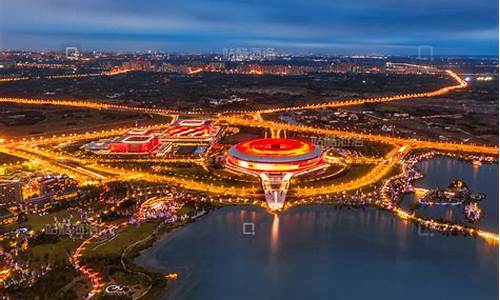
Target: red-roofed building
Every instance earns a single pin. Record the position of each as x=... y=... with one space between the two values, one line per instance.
x=191 y=130
x=134 y=144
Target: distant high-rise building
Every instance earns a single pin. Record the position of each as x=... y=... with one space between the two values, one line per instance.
x=405 y=68
x=72 y=53
x=246 y=54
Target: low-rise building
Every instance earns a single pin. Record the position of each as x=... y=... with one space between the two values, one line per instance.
x=11 y=193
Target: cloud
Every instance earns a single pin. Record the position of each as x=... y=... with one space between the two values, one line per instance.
x=210 y=24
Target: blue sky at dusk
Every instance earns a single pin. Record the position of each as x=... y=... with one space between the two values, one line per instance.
x=307 y=26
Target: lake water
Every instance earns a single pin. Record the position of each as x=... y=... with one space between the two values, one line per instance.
x=440 y=171
x=319 y=252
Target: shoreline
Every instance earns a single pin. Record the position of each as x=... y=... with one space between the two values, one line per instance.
x=187 y=277
x=166 y=233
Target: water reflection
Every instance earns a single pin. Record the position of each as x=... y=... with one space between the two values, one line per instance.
x=323 y=252
x=275 y=234
x=300 y=253
x=475 y=171
x=482 y=179
x=449 y=214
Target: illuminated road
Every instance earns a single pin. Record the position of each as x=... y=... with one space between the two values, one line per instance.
x=390 y=204
x=90 y=105
x=444 y=146
x=85 y=170
x=374 y=175
x=90 y=170
x=95 y=105
x=353 y=102
x=105 y=73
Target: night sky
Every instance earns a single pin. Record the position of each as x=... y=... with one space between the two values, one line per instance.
x=451 y=27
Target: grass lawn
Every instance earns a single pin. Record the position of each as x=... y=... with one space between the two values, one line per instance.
x=55 y=252
x=37 y=222
x=352 y=172
x=219 y=177
x=125 y=238
x=10 y=159
x=105 y=258
x=51 y=287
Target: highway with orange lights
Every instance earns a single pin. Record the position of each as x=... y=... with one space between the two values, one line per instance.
x=91 y=170
x=83 y=75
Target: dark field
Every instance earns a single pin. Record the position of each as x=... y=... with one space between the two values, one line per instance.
x=195 y=91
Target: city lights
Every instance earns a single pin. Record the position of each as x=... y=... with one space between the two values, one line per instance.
x=171 y=172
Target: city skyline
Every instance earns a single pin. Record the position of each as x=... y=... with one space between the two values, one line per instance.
x=380 y=27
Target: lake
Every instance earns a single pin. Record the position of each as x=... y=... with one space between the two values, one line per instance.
x=322 y=252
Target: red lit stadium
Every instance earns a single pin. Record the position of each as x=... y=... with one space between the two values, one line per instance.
x=275 y=156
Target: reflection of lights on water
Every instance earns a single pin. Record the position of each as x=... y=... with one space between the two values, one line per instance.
x=449 y=214
x=484 y=78
x=449 y=165
x=275 y=233
x=475 y=170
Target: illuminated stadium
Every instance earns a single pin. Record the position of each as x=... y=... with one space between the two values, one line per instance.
x=275 y=156
x=275 y=161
